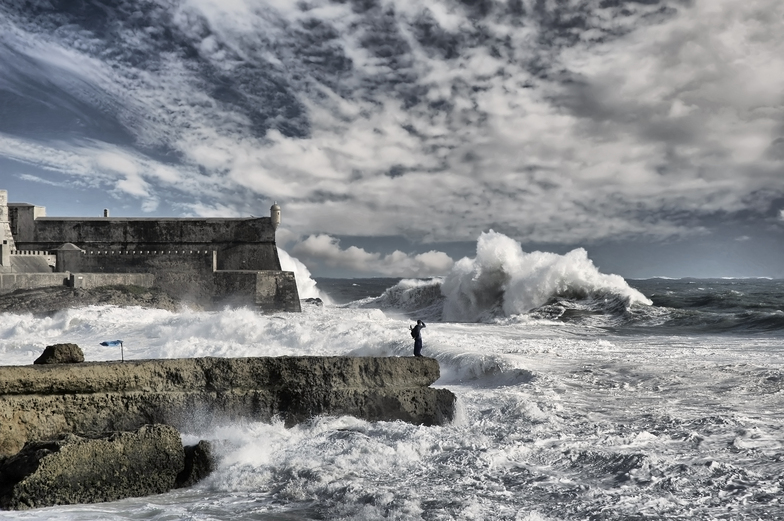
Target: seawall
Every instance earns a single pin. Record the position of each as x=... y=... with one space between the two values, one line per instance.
x=42 y=401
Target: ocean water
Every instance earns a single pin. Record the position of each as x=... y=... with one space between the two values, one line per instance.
x=581 y=396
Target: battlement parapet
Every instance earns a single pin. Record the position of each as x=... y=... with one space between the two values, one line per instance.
x=31 y=252
x=147 y=252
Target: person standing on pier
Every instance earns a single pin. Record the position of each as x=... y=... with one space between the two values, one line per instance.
x=416 y=333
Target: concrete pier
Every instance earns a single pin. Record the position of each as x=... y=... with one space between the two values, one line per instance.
x=42 y=401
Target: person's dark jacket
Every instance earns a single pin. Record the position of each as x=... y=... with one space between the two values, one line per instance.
x=417 y=331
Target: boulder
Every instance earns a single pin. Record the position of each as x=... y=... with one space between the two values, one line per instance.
x=92 y=468
x=61 y=354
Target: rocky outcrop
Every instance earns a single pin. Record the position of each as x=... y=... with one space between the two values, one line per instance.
x=61 y=354
x=101 y=467
x=48 y=301
x=41 y=402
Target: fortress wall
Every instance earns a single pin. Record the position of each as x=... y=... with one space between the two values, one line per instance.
x=277 y=290
x=22 y=219
x=182 y=274
x=234 y=287
x=10 y=282
x=103 y=233
x=135 y=261
x=243 y=244
x=94 y=280
x=249 y=257
x=29 y=264
x=268 y=291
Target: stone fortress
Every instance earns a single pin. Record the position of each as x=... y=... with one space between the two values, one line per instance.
x=211 y=262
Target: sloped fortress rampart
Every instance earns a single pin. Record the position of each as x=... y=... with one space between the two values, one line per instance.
x=211 y=261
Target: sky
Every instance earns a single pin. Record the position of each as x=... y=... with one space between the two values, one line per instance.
x=393 y=133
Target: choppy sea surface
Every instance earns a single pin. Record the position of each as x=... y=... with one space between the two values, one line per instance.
x=581 y=396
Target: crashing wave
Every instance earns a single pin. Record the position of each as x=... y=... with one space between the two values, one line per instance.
x=306 y=286
x=503 y=281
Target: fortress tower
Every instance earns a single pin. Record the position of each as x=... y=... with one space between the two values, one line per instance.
x=6 y=237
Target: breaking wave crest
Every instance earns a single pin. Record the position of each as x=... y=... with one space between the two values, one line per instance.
x=420 y=298
x=503 y=281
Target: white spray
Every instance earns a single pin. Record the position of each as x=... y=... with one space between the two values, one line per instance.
x=306 y=286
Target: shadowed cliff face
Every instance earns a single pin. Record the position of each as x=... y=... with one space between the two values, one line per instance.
x=38 y=402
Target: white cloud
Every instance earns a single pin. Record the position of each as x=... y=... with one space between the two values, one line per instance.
x=326 y=250
x=36 y=179
x=543 y=134
x=121 y=171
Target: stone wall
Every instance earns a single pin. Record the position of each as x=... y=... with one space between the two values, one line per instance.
x=25 y=262
x=266 y=290
x=182 y=274
x=22 y=218
x=10 y=282
x=95 y=280
x=276 y=290
x=41 y=401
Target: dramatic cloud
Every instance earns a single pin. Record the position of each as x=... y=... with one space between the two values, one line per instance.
x=326 y=250
x=561 y=122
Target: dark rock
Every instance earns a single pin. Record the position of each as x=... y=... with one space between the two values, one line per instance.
x=92 y=468
x=61 y=354
x=314 y=301
x=199 y=463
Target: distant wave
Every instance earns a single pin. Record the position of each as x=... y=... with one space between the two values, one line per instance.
x=668 y=320
x=502 y=281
